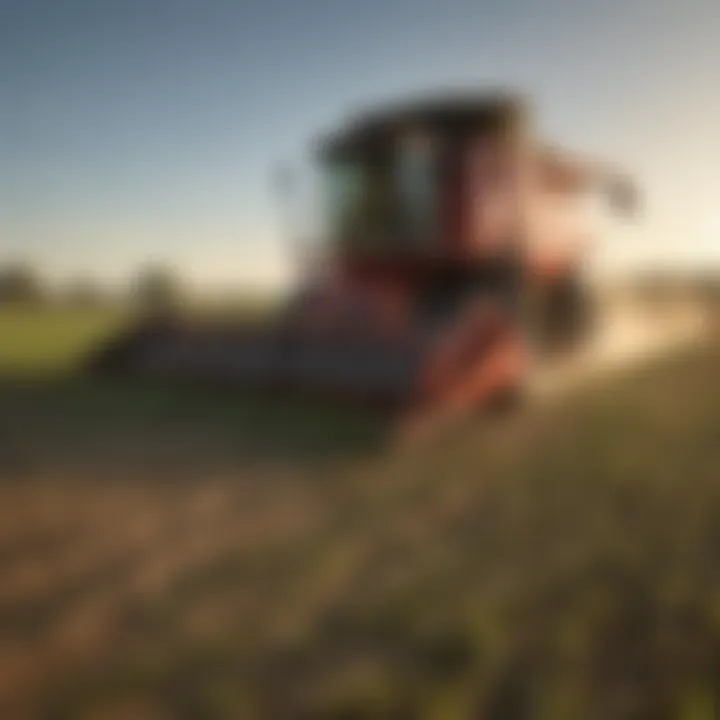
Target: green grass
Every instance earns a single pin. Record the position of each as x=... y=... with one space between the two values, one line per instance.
x=51 y=340
x=170 y=552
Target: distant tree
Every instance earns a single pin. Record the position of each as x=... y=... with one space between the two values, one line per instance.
x=157 y=287
x=19 y=282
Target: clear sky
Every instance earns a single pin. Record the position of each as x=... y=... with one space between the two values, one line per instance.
x=147 y=129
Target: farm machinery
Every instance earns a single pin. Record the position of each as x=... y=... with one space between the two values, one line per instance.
x=454 y=261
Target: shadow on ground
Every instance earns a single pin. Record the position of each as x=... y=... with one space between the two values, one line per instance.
x=79 y=425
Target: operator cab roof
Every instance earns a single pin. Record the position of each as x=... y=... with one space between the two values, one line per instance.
x=452 y=115
x=444 y=114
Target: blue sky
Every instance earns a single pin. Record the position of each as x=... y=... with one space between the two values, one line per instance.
x=134 y=130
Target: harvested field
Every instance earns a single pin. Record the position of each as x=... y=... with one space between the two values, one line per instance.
x=170 y=552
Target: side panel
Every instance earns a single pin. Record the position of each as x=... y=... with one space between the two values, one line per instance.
x=561 y=227
x=494 y=195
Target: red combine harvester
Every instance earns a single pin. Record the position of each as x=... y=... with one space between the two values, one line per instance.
x=454 y=259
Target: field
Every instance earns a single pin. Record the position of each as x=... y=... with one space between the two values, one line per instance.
x=185 y=552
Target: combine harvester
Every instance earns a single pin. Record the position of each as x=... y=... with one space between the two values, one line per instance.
x=453 y=276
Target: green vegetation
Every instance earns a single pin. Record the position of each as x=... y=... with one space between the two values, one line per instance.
x=171 y=552
x=50 y=339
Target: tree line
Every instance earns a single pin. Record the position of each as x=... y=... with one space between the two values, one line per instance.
x=151 y=285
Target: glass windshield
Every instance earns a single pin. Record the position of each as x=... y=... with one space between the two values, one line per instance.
x=384 y=202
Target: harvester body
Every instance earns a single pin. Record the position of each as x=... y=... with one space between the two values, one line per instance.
x=450 y=227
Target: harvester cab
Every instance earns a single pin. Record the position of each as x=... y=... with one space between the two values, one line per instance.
x=437 y=206
x=455 y=246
